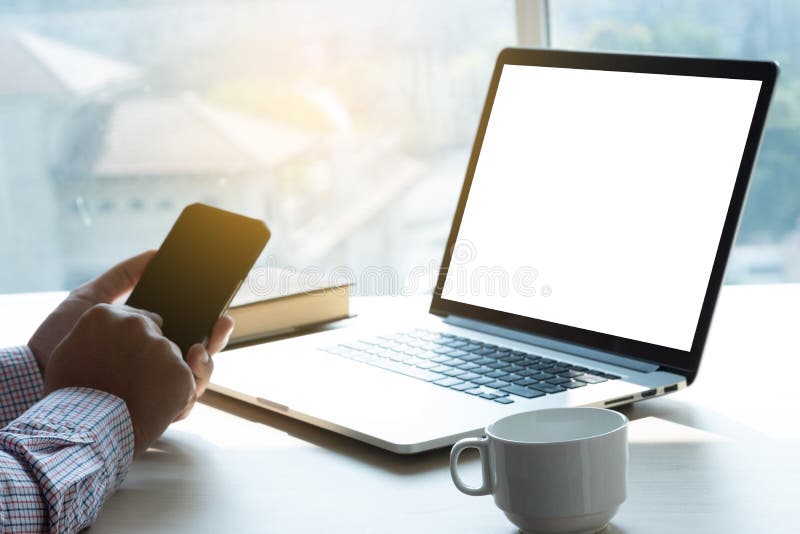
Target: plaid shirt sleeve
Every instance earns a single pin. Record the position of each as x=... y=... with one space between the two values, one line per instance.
x=61 y=458
x=20 y=382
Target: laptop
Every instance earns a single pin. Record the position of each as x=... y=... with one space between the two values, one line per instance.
x=585 y=257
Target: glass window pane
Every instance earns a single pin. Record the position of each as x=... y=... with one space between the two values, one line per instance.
x=345 y=125
x=768 y=244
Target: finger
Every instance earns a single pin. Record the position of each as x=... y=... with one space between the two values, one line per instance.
x=186 y=411
x=153 y=316
x=142 y=330
x=201 y=365
x=194 y=392
x=153 y=320
x=220 y=334
x=118 y=280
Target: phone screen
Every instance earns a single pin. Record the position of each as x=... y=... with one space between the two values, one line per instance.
x=197 y=270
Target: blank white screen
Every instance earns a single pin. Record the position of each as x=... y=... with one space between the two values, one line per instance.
x=614 y=187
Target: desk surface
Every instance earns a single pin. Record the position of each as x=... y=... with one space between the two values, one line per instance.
x=721 y=456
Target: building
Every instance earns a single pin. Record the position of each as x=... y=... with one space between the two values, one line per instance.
x=40 y=79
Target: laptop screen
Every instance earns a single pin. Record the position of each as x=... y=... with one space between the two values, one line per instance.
x=598 y=199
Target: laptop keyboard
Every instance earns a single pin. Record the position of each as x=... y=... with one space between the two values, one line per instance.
x=491 y=372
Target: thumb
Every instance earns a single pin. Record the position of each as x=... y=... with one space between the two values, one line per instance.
x=118 y=280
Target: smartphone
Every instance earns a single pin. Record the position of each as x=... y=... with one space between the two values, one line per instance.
x=197 y=270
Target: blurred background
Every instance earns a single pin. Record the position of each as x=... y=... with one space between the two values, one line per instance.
x=345 y=125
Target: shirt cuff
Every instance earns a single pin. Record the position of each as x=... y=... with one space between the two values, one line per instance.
x=21 y=382
x=75 y=416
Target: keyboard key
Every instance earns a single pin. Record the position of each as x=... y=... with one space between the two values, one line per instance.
x=570 y=374
x=442 y=350
x=526 y=382
x=483 y=380
x=485 y=361
x=471 y=347
x=497 y=384
x=482 y=370
x=425 y=364
x=558 y=380
x=460 y=354
x=487 y=396
x=440 y=358
x=357 y=345
x=510 y=358
x=467 y=366
x=464 y=386
x=513 y=368
x=523 y=391
x=455 y=344
x=469 y=357
x=448 y=382
x=495 y=364
x=440 y=368
x=542 y=376
x=496 y=374
x=414 y=372
x=547 y=388
x=573 y=384
x=468 y=376
x=482 y=389
x=503 y=400
x=483 y=351
x=510 y=377
x=591 y=379
x=453 y=372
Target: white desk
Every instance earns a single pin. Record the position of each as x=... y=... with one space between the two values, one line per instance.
x=722 y=456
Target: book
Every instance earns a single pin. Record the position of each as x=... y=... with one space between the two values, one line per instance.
x=273 y=302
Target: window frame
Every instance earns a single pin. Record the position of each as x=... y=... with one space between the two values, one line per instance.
x=533 y=23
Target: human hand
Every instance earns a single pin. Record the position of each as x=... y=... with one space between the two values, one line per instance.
x=120 y=350
x=107 y=288
x=110 y=287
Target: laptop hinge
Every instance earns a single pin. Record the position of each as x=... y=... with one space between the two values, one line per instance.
x=533 y=339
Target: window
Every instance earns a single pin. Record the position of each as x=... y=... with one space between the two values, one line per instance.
x=345 y=125
x=768 y=245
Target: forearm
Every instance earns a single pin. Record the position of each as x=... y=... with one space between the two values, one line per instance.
x=62 y=459
x=20 y=382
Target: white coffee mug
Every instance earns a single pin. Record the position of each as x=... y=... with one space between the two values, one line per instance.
x=556 y=470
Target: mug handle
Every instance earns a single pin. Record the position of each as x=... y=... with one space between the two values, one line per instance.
x=482 y=444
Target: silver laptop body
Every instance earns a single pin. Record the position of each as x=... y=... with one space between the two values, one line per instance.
x=590 y=240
